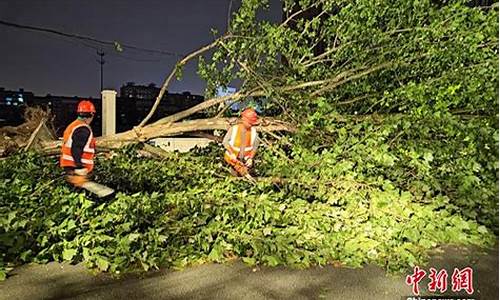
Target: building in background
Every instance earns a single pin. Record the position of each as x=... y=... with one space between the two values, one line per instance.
x=135 y=102
x=131 y=90
x=129 y=110
x=11 y=103
x=64 y=110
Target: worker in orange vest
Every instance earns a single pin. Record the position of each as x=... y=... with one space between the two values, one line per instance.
x=241 y=142
x=78 y=148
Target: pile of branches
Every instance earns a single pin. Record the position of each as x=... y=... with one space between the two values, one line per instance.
x=36 y=128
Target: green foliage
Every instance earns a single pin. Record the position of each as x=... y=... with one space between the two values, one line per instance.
x=426 y=156
x=396 y=152
x=185 y=210
x=415 y=57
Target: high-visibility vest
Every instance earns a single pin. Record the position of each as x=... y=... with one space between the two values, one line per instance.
x=235 y=142
x=88 y=151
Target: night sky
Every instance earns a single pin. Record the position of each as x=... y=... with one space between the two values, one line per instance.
x=49 y=64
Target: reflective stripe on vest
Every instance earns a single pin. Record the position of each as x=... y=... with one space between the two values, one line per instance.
x=235 y=140
x=87 y=147
x=83 y=160
x=87 y=158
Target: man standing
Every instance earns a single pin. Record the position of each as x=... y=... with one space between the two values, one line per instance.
x=78 y=148
x=241 y=143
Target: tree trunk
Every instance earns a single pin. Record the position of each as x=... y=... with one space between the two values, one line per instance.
x=162 y=130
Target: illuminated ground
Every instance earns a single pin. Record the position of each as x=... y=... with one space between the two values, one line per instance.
x=237 y=281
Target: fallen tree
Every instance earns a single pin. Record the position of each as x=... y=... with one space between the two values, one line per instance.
x=142 y=134
x=344 y=58
x=382 y=167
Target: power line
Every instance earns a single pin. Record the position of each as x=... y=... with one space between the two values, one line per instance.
x=72 y=41
x=121 y=56
x=96 y=48
x=118 y=46
x=115 y=53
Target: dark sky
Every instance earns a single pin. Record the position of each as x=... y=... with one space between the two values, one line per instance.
x=45 y=63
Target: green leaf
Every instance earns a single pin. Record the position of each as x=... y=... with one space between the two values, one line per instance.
x=271 y=260
x=68 y=254
x=102 y=264
x=482 y=229
x=133 y=236
x=249 y=260
x=3 y=275
x=86 y=253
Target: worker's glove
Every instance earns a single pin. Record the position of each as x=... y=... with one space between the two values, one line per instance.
x=233 y=157
x=249 y=162
x=81 y=172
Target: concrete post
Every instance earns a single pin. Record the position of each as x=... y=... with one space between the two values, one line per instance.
x=108 y=112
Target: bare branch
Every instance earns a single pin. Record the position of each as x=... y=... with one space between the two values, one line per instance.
x=172 y=74
x=314 y=3
x=259 y=92
x=202 y=106
x=356 y=99
x=336 y=83
x=221 y=112
x=34 y=135
x=229 y=15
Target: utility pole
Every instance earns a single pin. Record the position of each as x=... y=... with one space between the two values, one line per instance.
x=101 y=61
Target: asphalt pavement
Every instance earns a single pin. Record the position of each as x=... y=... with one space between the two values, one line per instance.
x=235 y=280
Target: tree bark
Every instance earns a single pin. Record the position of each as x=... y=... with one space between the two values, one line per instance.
x=172 y=129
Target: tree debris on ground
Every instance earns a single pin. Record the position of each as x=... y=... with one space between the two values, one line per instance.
x=35 y=130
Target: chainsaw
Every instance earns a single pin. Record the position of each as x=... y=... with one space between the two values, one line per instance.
x=95 y=188
x=242 y=169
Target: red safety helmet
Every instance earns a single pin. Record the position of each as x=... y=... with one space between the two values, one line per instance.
x=249 y=115
x=85 y=106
